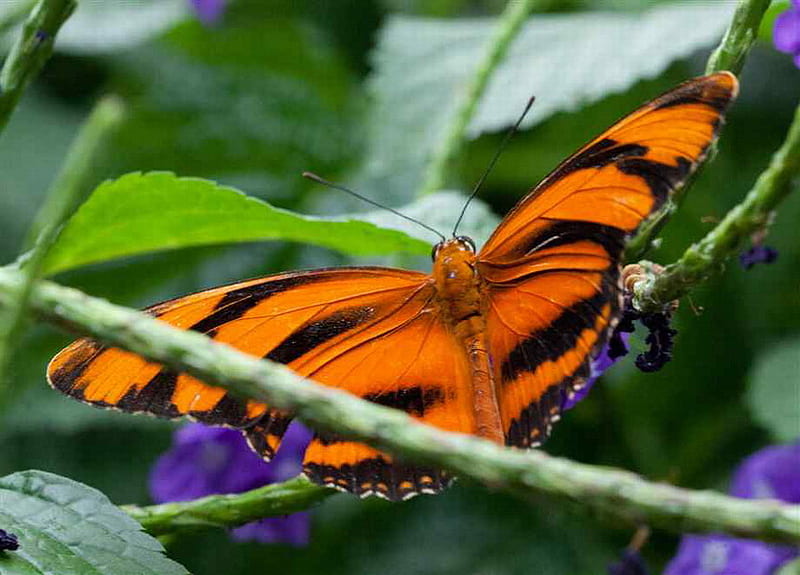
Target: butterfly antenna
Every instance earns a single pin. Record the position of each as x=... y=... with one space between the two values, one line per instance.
x=496 y=157
x=315 y=178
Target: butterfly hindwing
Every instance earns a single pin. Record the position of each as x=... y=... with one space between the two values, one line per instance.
x=415 y=365
x=552 y=265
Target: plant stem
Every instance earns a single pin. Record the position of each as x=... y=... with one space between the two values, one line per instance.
x=66 y=194
x=729 y=55
x=30 y=52
x=618 y=493
x=509 y=23
x=277 y=499
x=739 y=38
x=754 y=214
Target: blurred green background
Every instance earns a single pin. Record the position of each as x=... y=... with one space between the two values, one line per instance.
x=355 y=90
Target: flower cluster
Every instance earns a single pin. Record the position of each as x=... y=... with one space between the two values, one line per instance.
x=207 y=460
x=786 y=33
x=773 y=472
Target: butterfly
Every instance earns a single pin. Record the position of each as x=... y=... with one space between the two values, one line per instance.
x=489 y=344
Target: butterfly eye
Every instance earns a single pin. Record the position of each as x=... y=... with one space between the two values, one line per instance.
x=467 y=240
x=435 y=251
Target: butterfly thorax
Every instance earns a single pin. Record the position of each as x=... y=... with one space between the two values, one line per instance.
x=459 y=289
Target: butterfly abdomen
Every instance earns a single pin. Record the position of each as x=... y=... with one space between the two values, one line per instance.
x=460 y=299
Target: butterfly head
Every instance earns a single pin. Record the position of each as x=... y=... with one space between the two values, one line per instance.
x=457 y=245
x=454 y=260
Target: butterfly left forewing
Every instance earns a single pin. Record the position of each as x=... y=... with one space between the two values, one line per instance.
x=374 y=332
x=552 y=266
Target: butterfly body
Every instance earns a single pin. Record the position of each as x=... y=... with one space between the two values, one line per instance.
x=491 y=343
x=462 y=304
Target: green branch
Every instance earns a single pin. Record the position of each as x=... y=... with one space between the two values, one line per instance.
x=509 y=23
x=729 y=55
x=618 y=493
x=30 y=52
x=68 y=192
x=754 y=214
x=739 y=38
x=230 y=510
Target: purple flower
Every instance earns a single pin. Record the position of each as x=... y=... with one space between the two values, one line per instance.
x=8 y=541
x=759 y=254
x=206 y=460
x=786 y=34
x=208 y=12
x=602 y=362
x=773 y=472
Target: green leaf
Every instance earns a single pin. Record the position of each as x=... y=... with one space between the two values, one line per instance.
x=567 y=61
x=116 y=25
x=141 y=213
x=791 y=568
x=254 y=103
x=67 y=528
x=775 y=389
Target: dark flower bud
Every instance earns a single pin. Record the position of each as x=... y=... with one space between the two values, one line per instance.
x=616 y=345
x=8 y=541
x=758 y=254
x=631 y=563
x=660 y=339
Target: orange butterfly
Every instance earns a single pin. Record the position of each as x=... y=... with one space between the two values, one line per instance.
x=489 y=344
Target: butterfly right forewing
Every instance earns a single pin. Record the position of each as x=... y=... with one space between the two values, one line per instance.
x=552 y=266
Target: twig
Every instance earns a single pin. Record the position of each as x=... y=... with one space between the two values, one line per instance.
x=31 y=50
x=509 y=23
x=620 y=494
x=729 y=55
x=739 y=38
x=67 y=193
x=754 y=214
x=230 y=510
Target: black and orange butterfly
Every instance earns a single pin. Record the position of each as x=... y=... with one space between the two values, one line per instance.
x=489 y=344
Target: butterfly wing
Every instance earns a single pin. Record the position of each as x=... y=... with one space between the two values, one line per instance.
x=373 y=332
x=552 y=266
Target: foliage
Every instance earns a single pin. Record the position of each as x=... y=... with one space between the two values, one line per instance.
x=141 y=213
x=66 y=527
x=277 y=88
x=774 y=385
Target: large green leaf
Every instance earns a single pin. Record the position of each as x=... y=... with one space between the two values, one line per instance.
x=115 y=25
x=423 y=66
x=110 y=26
x=774 y=394
x=141 y=213
x=253 y=102
x=67 y=528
